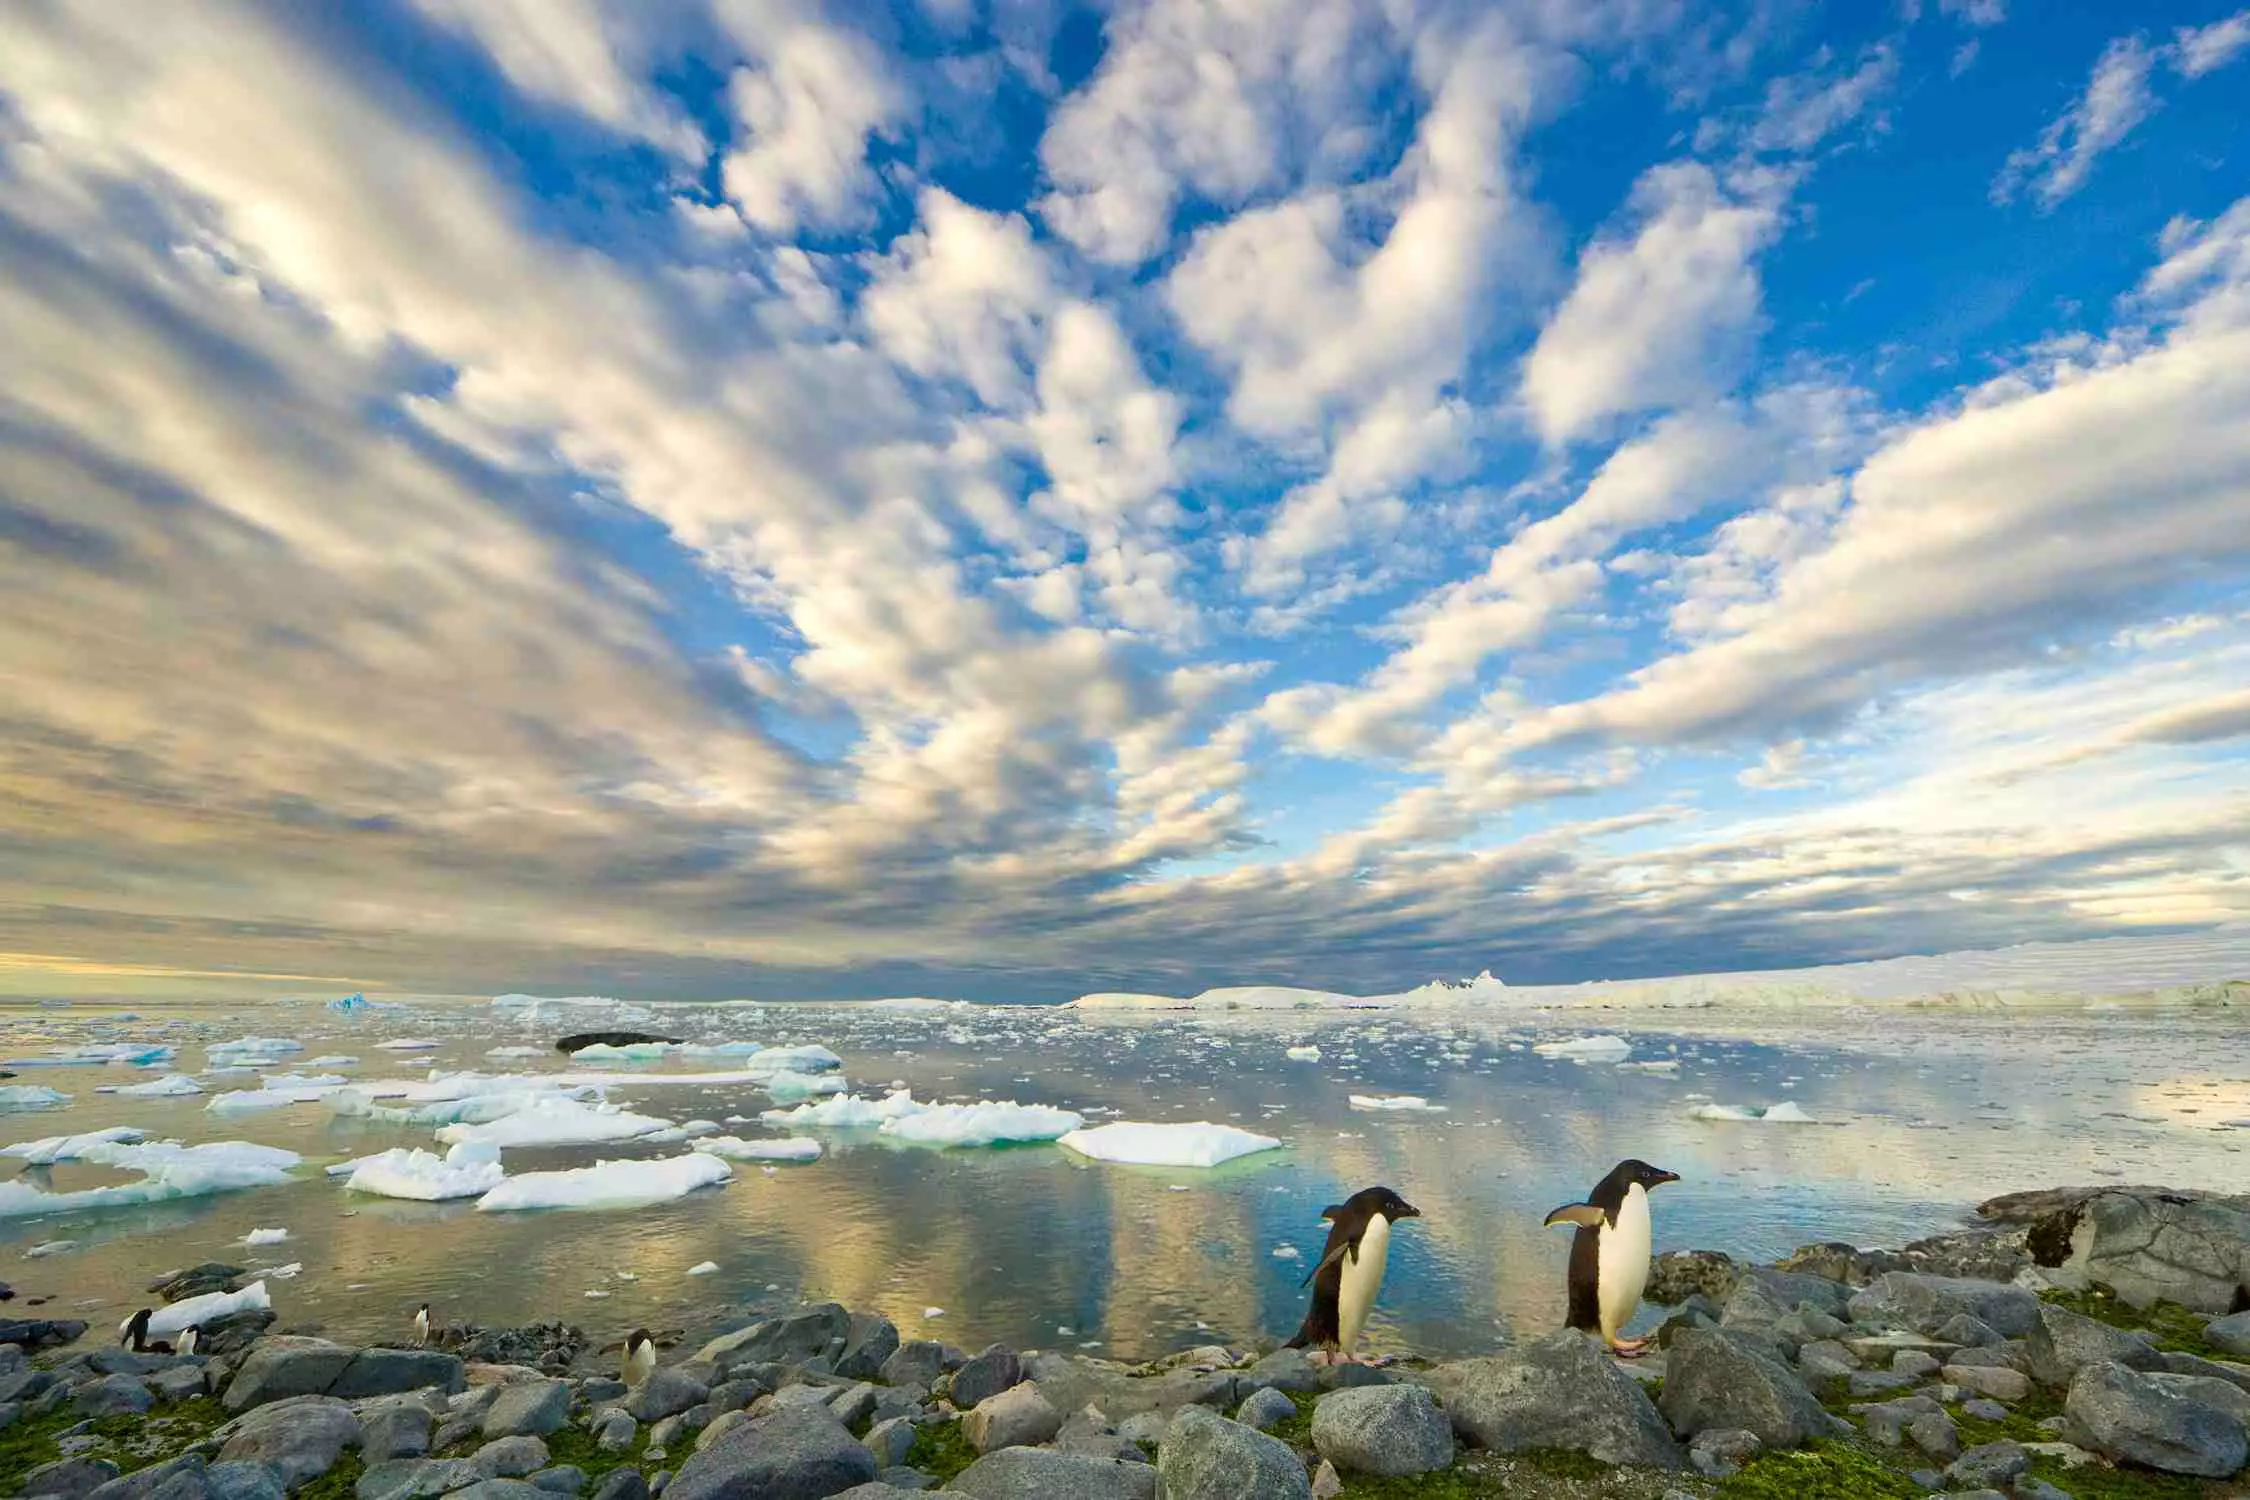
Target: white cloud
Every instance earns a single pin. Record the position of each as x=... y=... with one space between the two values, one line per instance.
x=1801 y=110
x=2205 y=49
x=588 y=55
x=1661 y=316
x=806 y=107
x=1975 y=12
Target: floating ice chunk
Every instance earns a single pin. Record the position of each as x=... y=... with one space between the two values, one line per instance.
x=553 y=1120
x=46 y=1248
x=1588 y=1049
x=265 y=1237
x=332 y=1060
x=1193 y=1145
x=411 y=1044
x=517 y=1052
x=1784 y=1113
x=137 y=1054
x=985 y=1123
x=70 y=1147
x=278 y=1092
x=26 y=1096
x=703 y=1268
x=915 y=1002
x=1665 y=1065
x=720 y=1049
x=735 y=1148
x=609 y=1184
x=1303 y=1054
x=846 y=1112
x=604 y=1052
x=1402 y=1102
x=786 y=1085
x=256 y=1046
x=349 y=1003
x=282 y=1273
x=687 y=1130
x=811 y=1058
x=1287 y=1252
x=171 y=1085
x=167 y=1169
x=209 y=1308
x=468 y=1170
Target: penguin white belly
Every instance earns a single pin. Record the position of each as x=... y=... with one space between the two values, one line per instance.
x=1363 y=1277
x=1623 y=1266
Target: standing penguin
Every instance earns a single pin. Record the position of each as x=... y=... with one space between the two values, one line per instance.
x=190 y=1337
x=422 y=1326
x=1609 y=1254
x=133 y=1334
x=1351 y=1269
x=640 y=1357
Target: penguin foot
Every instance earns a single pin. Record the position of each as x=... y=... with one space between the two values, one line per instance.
x=1629 y=1348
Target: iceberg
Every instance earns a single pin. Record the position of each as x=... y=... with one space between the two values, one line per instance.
x=986 y=1123
x=517 y=1052
x=1785 y=1113
x=467 y=1171
x=167 y=1169
x=1303 y=1054
x=846 y=1112
x=349 y=1003
x=604 y=1052
x=71 y=1147
x=811 y=1058
x=703 y=1268
x=553 y=1120
x=787 y=1084
x=135 y=1054
x=255 y=1046
x=1404 y=1102
x=332 y=1060
x=285 y=1089
x=265 y=1237
x=1588 y=1049
x=609 y=1184
x=1195 y=1145
x=171 y=1085
x=734 y=1148
x=411 y=1044
x=209 y=1308
x=23 y=1096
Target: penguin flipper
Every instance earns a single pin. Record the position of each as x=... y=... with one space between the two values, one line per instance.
x=1584 y=1215
x=1335 y=1254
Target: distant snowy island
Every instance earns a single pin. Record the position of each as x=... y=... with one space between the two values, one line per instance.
x=2206 y=969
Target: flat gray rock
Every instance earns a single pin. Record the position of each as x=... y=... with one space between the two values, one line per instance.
x=415 y=1478
x=2062 y=1343
x=1265 y=1407
x=184 y=1478
x=510 y=1458
x=2230 y=1333
x=1387 y=1430
x=2126 y=1415
x=113 y=1396
x=1206 y=1457
x=801 y=1453
x=1018 y=1417
x=69 y=1478
x=301 y=1436
x=1038 y=1474
x=529 y=1408
x=1927 y=1303
x=284 y=1366
x=667 y=1392
x=391 y=1372
x=396 y=1431
x=1556 y=1392
x=820 y=1331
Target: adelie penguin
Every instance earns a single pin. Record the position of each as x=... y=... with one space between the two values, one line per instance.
x=1609 y=1254
x=640 y=1358
x=422 y=1326
x=1350 y=1271
x=133 y=1334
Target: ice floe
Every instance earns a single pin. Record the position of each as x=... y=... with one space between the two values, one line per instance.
x=609 y=1184
x=1401 y=1102
x=811 y=1058
x=265 y=1237
x=1588 y=1049
x=686 y=1130
x=71 y=1147
x=846 y=1112
x=189 y=1312
x=1303 y=1054
x=605 y=1052
x=250 y=1049
x=554 y=1120
x=1187 y=1145
x=167 y=1169
x=411 y=1044
x=277 y=1092
x=788 y=1084
x=466 y=1171
x=735 y=1148
x=986 y=1123
x=1785 y=1113
x=27 y=1096
x=703 y=1268
x=516 y=1052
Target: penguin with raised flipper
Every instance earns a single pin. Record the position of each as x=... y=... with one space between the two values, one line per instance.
x=1610 y=1252
x=1350 y=1271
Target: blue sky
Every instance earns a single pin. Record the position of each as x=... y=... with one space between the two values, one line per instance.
x=1006 y=499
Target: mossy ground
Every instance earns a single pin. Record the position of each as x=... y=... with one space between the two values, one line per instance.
x=1826 y=1471
x=131 y=1443
x=940 y=1451
x=339 y=1483
x=576 y=1447
x=2170 y=1325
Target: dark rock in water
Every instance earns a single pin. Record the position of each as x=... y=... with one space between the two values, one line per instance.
x=801 y=1453
x=1040 y=1474
x=2131 y=1417
x=544 y=1346
x=986 y=1376
x=1714 y=1379
x=1677 y=1275
x=1206 y=1457
x=40 y=1333
x=1557 y=1392
x=235 y=1332
x=585 y=1039
x=69 y=1478
x=199 y=1281
x=7 y=1292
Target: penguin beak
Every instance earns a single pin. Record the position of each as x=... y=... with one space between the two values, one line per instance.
x=1663 y=1177
x=1407 y=1210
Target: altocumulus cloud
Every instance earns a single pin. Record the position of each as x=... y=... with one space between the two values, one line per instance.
x=729 y=497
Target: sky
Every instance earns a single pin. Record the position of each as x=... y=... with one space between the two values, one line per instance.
x=997 y=498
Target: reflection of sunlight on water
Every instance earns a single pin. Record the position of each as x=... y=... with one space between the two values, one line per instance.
x=1923 y=1116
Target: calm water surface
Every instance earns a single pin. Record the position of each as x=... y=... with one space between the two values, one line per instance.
x=1923 y=1114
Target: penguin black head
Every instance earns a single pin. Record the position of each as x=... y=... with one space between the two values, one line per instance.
x=134 y=1329
x=1634 y=1172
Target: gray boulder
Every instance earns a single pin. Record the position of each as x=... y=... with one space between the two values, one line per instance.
x=184 y=1478
x=415 y=1478
x=822 y=1331
x=1927 y=1303
x=301 y=1436
x=872 y=1341
x=800 y=1453
x=1206 y=1457
x=2156 y=1247
x=667 y=1392
x=1018 y=1417
x=1997 y=1381
x=917 y=1363
x=113 y=1396
x=1387 y=1430
x=2223 y=1394
x=69 y=1478
x=622 y=1484
x=281 y=1367
x=1935 y=1434
x=1265 y=1407
x=1040 y=1474
x=890 y=1441
x=2062 y=1343
x=2230 y=1334
x=1556 y=1392
x=990 y=1373
x=1284 y=1370
x=563 y=1479
x=2129 y=1416
x=529 y=1408
x=391 y=1372
x=1715 y=1380
x=396 y=1430
x=616 y=1432
x=2178 y=1362
x=509 y=1458
x=1988 y=1466
x=243 y=1481
x=501 y=1489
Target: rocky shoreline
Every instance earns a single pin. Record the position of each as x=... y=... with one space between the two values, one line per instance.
x=2083 y=1342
